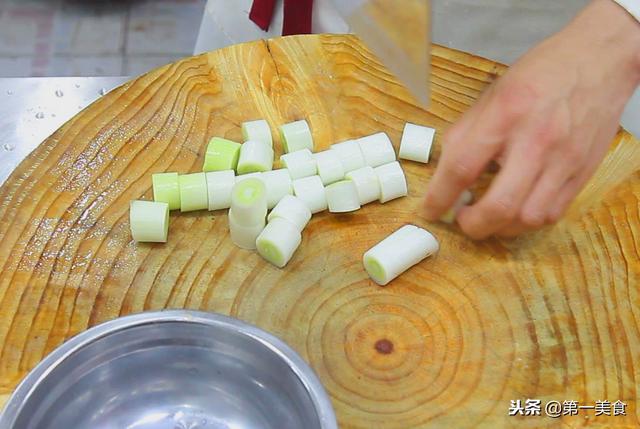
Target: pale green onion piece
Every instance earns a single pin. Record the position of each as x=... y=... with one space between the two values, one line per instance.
x=377 y=149
x=149 y=221
x=416 y=142
x=221 y=154
x=392 y=182
x=342 y=197
x=257 y=130
x=193 y=192
x=255 y=156
x=330 y=168
x=311 y=191
x=166 y=189
x=278 y=184
x=219 y=186
x=244 y=236
x=300 y=163
x=398 y=252
x=292 y=209
x=256 y=175
x=249 y=202
x=367 y=184
x=350 y=155
x=464 y=199
x=278 y=242
x=296 y=136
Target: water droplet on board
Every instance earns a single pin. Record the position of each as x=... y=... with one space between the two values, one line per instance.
x=39 y=115
x=59 y=93
x=8 y=147
x=77 y=85
x=103 y=91
x=9 y=92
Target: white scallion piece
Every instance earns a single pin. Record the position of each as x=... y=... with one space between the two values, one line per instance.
x=377 y=149
x=392 y=182
x=367 y=184
x=296 y=136
x=219 y=186
x=311 y=191
x=278 y=184
x=254 y=157
x=416 y=142
x=292 y=209
x=244 y=236
x=278 y=241
x=249 y=202
x=300 y=163
x=330 y=168
x=350 y=155
x=257 y=130
x=464 y=199
x=149 y=221
x=342 y=197
x=256 y=175
x=398 y=252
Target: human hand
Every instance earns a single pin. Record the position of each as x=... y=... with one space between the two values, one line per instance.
x=548 y=121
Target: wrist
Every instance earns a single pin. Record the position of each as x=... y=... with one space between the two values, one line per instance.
x=631 y=27
x=609 y=29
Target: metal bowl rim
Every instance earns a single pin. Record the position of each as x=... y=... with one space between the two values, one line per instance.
x=300 y=368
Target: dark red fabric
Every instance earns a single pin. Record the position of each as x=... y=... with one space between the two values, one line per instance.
x=262 y=12
x=297 y=17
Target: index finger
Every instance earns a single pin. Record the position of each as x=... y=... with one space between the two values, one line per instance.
x=465 y=155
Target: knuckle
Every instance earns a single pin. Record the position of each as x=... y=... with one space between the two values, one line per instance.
x=550 y=134
x=545 y=140
x=574 y=154
x=559 y=130
x=516 y=98
x=473 y=232
x=460 y=172
x=502 y=209
x=532 y=219
x=453 y=135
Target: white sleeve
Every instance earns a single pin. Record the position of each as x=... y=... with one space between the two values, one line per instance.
x=632 y=6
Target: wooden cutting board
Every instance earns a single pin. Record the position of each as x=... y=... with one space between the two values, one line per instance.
x=555 y=316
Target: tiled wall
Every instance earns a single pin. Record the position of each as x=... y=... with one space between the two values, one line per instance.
x=94 y=38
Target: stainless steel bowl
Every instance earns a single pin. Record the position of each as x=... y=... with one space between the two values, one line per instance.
x=171 y=370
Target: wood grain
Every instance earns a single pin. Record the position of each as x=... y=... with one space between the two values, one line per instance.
x=555 y=316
